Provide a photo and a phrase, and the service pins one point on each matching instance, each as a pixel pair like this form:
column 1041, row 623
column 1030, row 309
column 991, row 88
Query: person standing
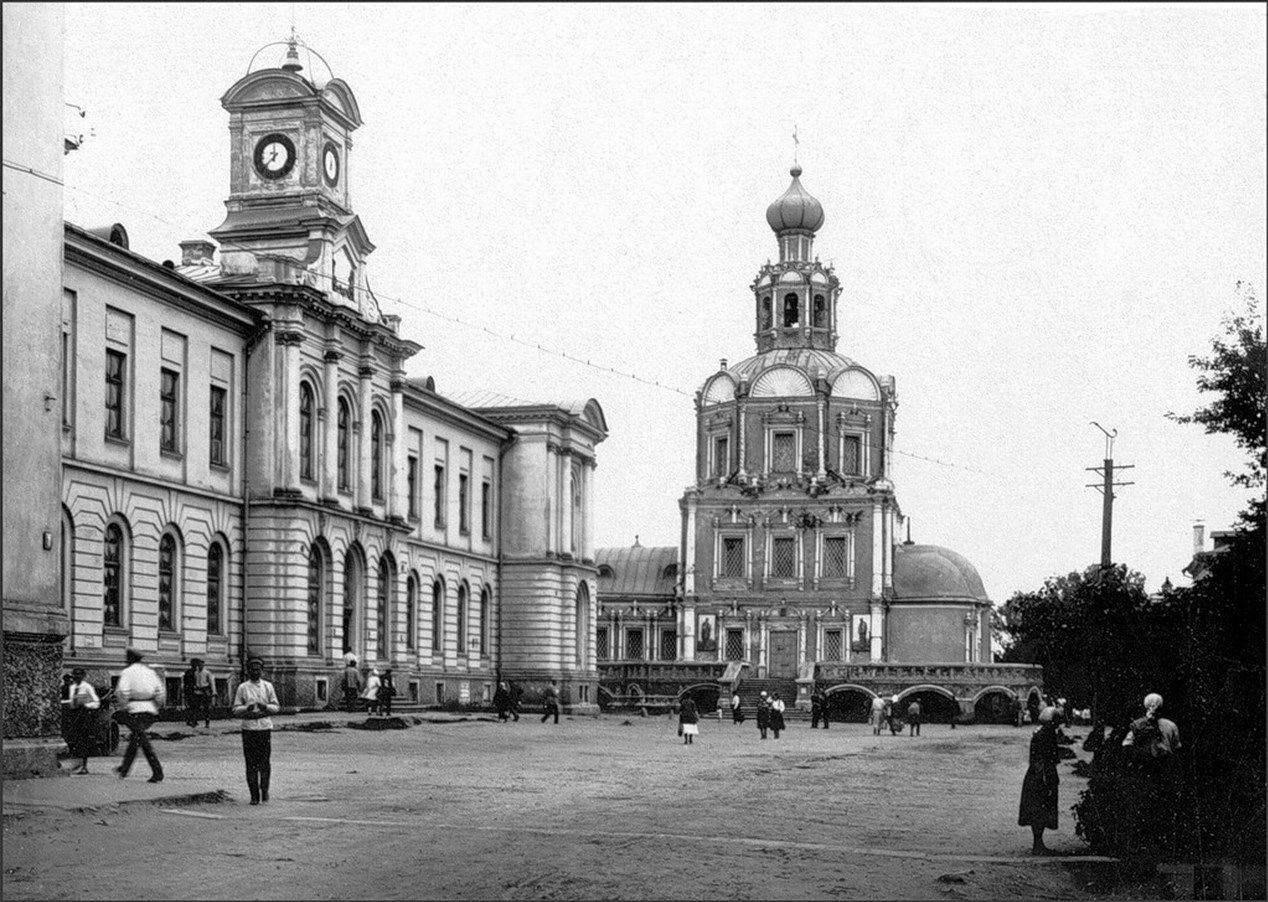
column 82, row 702
column 776, row 715
column 387, row 689
column 1038, row 808
column 370, row 694
column 517, row 695
column 254, row 701
column 141, row 693
column 198, row 689
column 913, row 718
column 818, row 708
column 1153, row 742
column 763, row 714
column 689, row 720
column 877, row 716
column 737, row 710
column 894, row 717
column 502, row 701
column 351, row 684
column 551, row 700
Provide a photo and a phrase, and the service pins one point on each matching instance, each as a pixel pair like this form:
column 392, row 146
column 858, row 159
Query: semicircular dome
column 854, row 383
column 934, row 572
column 781, row 382
column 720, row 389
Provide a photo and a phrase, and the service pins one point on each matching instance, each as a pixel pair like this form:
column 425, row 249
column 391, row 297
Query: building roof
column 933, row 572
column 637, row 570
column 806, row 359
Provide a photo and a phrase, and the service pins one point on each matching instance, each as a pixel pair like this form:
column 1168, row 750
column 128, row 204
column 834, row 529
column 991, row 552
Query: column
column 823, row 438
column 848, row 634
column 619, row 639
column 587, row 503
column 552, row 497
column 329, row 426
column 748, row 640
column 286, row 413
column 689, row 632
column 801, row 640
column 689, row 564
column 366, row 372
column 878, row 578
column 742, row 442
column 397, row 502
column 887, row 575
column 566, row 510
column 763, row 659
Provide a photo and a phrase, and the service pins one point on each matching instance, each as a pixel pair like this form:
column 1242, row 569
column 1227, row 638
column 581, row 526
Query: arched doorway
column 849, row 704
column 995, row 706
column 705, row 696
column 936, row 705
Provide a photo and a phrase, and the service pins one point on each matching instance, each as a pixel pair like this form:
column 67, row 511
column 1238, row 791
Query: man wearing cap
column 198, row 690
column 254, row 701
column 141, row 693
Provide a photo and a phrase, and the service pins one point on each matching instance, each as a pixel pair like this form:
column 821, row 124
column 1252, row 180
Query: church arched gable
column 782, row 382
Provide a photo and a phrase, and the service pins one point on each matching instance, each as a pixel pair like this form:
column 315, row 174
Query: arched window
column 438, row 615
column 582, row 620
column 382, row 611
column 411, row 612
column 215, row 587
column 792, row 317
column 68, row 559
column 316, row 566
column 342, row 423
column 766, row 313
column 462, row 618
column 486, row 605
column 821, row 312
column 167, row 578
column 376, row 455
column 352, row 575
column 114, row 575
column 305, row 431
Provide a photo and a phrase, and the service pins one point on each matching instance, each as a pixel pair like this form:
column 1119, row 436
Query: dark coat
column 688, row 713
column 763, row 714
column 501, row 699
column 777, row 720
column 1039, row 788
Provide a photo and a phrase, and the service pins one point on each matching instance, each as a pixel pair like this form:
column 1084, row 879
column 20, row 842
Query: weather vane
column 796, row 143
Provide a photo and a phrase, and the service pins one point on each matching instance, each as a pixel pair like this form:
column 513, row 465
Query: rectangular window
column 486, row 510
column 634, row 645
column 668, row 645
column 440, row 496
column 834, row 557
column 216, row 425
column 175, row 697
column 601, row 649
column 851, row 456
column 721, row 456
column 411, row 479
column 735, row 645
column 323, row 689
column 464, row 507
column 784, row 452
column 413, row 690
column 169, row 409
column 783, row 562
column 440, row 693
column 116, row 384
column 733, row 556
column 221, row 685
column 832, row 645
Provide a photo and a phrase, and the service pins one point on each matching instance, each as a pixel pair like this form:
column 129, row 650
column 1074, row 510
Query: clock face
column 274, row 156
column 330, row 164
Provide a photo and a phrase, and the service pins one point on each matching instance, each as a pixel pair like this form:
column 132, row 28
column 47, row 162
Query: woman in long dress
column 776, row 715
column 689, row 720
column 371, row 691
column 83, row 704
column 1038, row 809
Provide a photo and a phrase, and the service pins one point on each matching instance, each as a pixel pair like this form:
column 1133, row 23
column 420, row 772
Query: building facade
column 263, row 478
column 790, row 570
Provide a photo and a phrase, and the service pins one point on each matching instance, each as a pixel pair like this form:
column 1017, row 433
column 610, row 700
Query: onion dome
column 796, row 209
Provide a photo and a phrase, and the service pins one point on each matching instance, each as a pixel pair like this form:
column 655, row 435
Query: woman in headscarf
column 1038, row 809
column 82, row 708
column 776, row 715
column 688, row 720
column 370, row 694
column 763, row 714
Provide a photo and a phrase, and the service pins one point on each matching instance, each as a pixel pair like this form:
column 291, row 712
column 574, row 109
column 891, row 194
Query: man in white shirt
column 141, row 693
column 254, row 701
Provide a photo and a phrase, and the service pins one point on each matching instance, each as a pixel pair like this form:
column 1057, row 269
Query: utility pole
column 1106, row 488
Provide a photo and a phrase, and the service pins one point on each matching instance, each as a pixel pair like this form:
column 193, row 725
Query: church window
column 601, row 648
column 821, row 312
column 784, row 452
column 215, row 587
column 216, row 425
column 314, row 600
column 832, row 645
column 343, row 438
column 112, row 576
column 376, row 456
column 721, row 456
column 668, row 645
column 733, row 556
column 305, row 431
column 792, row 317
column 634, row 644
column 169, row 390
column 116, row 374
column 851, row 455
column 735, row 645
column 834, row 557
column 784, row 557
column 766, row 313
column 167, row 582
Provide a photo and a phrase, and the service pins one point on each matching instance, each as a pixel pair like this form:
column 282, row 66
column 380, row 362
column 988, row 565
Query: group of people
column 375, row 692
column 769, row 714
column 887, row 712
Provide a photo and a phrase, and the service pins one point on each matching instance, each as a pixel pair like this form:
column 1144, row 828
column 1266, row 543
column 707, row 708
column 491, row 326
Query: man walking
column 878, row 715
column 254, row 701
column 141, row 693
column 515, row 693
column 913, row 718
column 351, row 684
column 502, row 701
column 818, row 708
column 552, row 702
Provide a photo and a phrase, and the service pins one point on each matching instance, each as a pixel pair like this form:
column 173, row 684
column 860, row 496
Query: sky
column 1037, row 215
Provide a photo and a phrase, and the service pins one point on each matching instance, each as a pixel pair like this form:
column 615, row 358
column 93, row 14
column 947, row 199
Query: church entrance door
column 782, row 663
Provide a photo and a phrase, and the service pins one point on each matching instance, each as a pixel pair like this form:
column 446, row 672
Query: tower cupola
column 795, row 217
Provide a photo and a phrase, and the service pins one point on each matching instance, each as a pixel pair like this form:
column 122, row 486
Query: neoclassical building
column 247, row 468
column 790, row 570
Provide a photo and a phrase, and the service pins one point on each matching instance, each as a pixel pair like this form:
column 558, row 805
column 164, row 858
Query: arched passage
column 937, row 705
column 705, row 695
column 995, row 704
column 849, row 704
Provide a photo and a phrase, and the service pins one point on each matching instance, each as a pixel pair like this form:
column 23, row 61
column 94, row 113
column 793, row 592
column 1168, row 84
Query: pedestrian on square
column 370, row 694
column 502, row 701
column 763, row 714
column 198, row 692
column 141, row 693
column 877, row 717
column 351, row 684
column 776, row 715
column 517, row 694
column 818, row 708
column 913, row 718
column 82, row 704
column 551, row 700
column 737, row 710
column 1038, row 808
column 254, row 701
column 894, row 718
column 689, row 720
column 387, row 689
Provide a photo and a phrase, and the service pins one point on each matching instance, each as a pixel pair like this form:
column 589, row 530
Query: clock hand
column 273, row 156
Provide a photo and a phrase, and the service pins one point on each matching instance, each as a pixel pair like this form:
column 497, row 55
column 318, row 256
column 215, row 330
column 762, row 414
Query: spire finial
column 796, row 167
column 292, row 63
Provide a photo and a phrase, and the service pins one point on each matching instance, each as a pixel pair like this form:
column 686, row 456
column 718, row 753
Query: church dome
column 796, row 208
column 811, row 361
column 933, row 572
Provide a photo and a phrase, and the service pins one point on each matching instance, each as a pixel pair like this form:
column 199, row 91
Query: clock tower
column 289, row 210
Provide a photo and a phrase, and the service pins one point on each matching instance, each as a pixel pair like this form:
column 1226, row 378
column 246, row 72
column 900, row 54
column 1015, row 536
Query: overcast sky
column 1036, row 214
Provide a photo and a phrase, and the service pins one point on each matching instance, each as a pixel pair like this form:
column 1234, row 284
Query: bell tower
column 289, row 214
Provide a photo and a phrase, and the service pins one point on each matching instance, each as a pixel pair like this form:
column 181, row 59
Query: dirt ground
column 591, row 808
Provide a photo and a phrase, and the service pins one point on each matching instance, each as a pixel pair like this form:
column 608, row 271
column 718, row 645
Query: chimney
column 197, row 252
column 1199, row 537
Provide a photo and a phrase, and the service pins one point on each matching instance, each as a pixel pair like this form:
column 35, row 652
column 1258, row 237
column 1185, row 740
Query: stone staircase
column 751, row 689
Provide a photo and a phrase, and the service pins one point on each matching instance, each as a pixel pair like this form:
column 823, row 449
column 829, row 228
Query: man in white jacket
column 254, row 701
column 141, row 693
